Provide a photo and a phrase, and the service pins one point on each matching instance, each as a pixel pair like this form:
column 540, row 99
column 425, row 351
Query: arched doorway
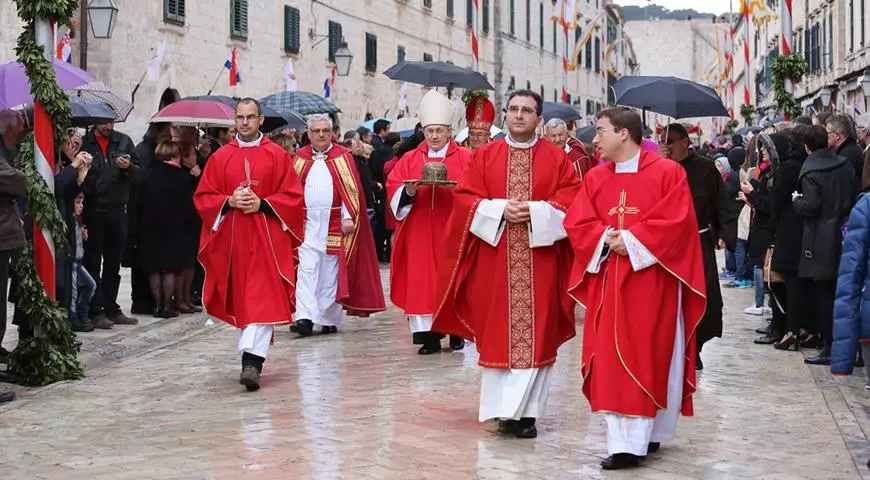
column 170, row 95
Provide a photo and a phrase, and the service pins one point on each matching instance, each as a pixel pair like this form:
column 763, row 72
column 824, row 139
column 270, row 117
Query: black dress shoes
column 764, row 330
column 250, row 378
column 768, row 339
column 507, row 426
column 325, row 330
column 823, row 358
column 303, row 327
column 653, row 447
column 456, row 343
column 699, row 365
column 525, row 428
column 7, row 397
column 430, row 348
column 618, row 461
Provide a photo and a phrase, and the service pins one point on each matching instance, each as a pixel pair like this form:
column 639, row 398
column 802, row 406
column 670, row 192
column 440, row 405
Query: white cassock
column 628, row 434
column 317, row 274
column 512, row 394
column 418, row 323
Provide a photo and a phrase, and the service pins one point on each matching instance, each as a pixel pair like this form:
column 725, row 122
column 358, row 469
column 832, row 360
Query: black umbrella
column 671, row 96
column 562, row 111
column 84, row 113
column 585, row 134
column 438, row 74
column 274, row 118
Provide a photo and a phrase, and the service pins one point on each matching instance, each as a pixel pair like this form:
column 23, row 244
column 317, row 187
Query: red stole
column 359, row 279
column 417, row 237
column 631, row 315
column 510, row 299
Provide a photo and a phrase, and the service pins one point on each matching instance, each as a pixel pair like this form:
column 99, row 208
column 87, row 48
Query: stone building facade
column 200, row 35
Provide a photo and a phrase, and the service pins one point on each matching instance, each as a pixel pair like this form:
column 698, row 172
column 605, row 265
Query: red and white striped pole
column 747, row 98
column 565, row 63
column 475, row 53
column 787, row 40
column 43, row 155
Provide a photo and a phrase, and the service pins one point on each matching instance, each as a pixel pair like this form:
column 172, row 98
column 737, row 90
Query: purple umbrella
column 15, row 85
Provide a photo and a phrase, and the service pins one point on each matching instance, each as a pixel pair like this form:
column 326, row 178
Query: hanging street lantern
column 102, row 15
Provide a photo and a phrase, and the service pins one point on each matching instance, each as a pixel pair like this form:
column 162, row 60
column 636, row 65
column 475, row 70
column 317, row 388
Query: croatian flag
column 329, row 83
column 233, row 67
column 64, row 48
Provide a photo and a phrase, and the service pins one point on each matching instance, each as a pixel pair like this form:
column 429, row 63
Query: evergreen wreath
column 786, row 67
column 470, row 95
column 51, row 355
column 747, row 112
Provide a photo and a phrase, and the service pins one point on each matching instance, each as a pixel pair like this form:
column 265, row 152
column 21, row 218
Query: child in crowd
column 83, row 284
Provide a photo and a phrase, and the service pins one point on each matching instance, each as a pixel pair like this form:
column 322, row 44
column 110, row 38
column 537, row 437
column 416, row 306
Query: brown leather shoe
column 121, row 319
column 250, row 378
column 101, row 322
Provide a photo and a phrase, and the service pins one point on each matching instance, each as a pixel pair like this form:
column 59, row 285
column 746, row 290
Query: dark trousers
column 140, row 292
column 779, row 295
column 823, row 294
column 381, row 234
column 799, row 305
column 107, row 232
column 5, row 257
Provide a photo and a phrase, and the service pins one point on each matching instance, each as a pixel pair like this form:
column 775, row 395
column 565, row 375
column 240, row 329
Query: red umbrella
column 197, row 113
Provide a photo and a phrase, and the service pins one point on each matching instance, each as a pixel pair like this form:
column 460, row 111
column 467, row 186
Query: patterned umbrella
column 274, row 119
column 98, row 92
column 305, row 103
column 85, row 113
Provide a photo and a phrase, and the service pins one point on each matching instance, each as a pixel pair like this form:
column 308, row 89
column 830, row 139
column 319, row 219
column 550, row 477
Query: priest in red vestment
column 421, row 212
column 250, row 201
column 556, row 131
column 479, row 115
column 503, row 274
column 639, row 272
column 338, row 266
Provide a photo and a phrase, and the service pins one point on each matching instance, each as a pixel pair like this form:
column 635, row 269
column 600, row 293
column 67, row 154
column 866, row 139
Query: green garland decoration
column 470, row 95
column 792, row 67
column 52, row 355
column 731, row 127
column 747, row 112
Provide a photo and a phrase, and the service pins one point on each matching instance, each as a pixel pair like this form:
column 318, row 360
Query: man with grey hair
column 862, row 124
column 842, row 140
column 338, row 267
column 556, row 131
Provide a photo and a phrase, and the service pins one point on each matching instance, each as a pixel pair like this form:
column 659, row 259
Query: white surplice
column 418, row 323
column 626, row 434
column 511, row 394
column 317, row 274
column 256, row 339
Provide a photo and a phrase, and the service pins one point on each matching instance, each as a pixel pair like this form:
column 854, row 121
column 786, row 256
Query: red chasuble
column 511, row 300
column 359, row 279
column 578, row 157
column 249, row 260
column 631, row 316
column 417, row 237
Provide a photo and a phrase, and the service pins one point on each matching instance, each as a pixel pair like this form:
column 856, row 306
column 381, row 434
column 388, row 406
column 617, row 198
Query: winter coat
column 787, row 226
column 852, row 304
column 12, row 184
column 854, row 155
column 828, row 186
column 760, row 230
column 107, row 186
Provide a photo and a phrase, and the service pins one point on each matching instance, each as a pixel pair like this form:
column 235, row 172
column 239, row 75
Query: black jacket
column 107, row 186
column 855, row 156
column 828, row 186
column 12, row 185
column 380, row 156
column 787, row 226
column 760, row 231
column 365, row 177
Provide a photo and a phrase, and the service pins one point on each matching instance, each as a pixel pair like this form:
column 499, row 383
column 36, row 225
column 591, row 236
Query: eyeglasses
column 525, row 110
column 319, row 131
column 246, row 118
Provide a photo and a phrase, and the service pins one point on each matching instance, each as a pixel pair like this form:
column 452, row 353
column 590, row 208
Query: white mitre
column 435, row 109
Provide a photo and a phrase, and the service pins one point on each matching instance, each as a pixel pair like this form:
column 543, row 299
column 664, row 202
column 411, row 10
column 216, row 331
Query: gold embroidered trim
column 521, row 301
column 333, row 240
column 348, row 183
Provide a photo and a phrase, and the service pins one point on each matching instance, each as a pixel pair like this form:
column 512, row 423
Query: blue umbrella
column 671, row 96
column 370, row 124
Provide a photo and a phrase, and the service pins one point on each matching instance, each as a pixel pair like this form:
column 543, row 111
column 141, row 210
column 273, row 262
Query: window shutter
column 450, row 9
column 291, row 29
column 427, row 3
column 371, row 52
column 427, row 57
column 485, row 17
column 173, row 11
column 334, row 39
column 400, row 56
column 239, row 19
column 469, row 8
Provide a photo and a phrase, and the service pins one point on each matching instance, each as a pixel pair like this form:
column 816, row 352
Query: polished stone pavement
column 162, row 401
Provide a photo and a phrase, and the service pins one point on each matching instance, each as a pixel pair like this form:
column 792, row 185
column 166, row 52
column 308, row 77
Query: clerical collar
column 515, row 144
column 251, row 144
column 323, row 153
column 567, row 148
column 629, row 166
column 440, row 153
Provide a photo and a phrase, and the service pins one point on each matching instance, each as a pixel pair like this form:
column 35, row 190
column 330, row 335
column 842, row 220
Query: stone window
column 541, row 25
column 371, row 52
column 555, row 41
column 291, row 29
column 450, row 12
column 513, row 14
column 400, row 54
column 469, row 13
column 334, row 39
column 485, row 17
column 427, row 57
column 427, row 3
column 239, row 19
column 529, row 21
column 173, row 11
column 597, row 54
